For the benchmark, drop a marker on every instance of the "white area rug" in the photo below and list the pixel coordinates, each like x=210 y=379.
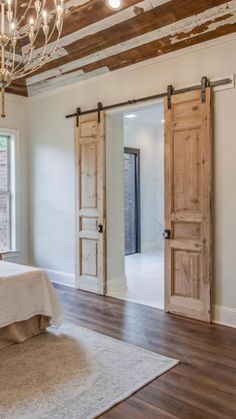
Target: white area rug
x=72 y=373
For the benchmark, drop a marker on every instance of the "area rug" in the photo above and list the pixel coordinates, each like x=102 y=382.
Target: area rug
x=72 y=373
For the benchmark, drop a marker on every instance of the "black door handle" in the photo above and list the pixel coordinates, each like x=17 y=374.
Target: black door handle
x=100 y=228
x=167 y=234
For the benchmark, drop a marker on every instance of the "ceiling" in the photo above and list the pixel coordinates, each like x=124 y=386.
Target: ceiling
x=151 y=115
x=97 y=40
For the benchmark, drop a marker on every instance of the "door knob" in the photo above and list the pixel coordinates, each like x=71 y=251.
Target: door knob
x=100 y=228
x=167 y=234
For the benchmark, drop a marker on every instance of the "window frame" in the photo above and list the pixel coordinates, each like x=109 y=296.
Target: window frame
x=13 y=189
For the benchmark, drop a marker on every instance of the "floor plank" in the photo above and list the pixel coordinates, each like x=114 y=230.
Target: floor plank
x=202 y=386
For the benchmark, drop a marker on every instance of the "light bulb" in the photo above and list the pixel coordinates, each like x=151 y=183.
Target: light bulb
x=114 y=4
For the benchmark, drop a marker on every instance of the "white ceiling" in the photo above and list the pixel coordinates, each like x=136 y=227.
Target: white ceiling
x=153 y=115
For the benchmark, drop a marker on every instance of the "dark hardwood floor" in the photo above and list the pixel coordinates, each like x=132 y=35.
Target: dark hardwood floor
x=202 y=386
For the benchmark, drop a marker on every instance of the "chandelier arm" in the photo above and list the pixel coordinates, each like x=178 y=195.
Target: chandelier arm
x=50 y=35
x=44 y=53
x=21 y=66
x=15 y=11
x=9 y=55
x=31 y=71
x=24 y=33
x=20 y=63
x=31 y=45
x=24 y=14
x=39 y=65
x=3 y=114
x=13 y=57
x=24 y=72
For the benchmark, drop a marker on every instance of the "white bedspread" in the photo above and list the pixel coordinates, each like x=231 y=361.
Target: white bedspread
x=26 y=292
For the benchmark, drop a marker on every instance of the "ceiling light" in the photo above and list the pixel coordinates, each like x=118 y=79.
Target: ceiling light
x=131 y=115
x=163 y=121
x=114 y=4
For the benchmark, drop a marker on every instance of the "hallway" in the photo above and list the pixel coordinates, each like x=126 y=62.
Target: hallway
x=145 y=279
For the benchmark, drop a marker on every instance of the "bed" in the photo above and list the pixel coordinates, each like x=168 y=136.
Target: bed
x=28 y=303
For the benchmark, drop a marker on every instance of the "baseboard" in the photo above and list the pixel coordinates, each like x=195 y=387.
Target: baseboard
x=62 y=278
x=221 y=315
x=224 y=315
x=116 y=284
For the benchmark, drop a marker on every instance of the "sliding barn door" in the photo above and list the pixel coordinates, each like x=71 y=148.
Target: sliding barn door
x=188 y=190
x=91 y=208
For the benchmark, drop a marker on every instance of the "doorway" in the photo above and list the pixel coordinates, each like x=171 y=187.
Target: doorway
x=141 y=200
x=186 y=191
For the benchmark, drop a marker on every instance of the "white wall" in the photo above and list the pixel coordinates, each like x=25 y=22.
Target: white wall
x=148 y=137
x=52 y=187
x=17 y=120
x=52 y=138
x=116 y=279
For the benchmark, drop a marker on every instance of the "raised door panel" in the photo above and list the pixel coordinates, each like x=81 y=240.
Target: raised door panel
x=186 y=170
x=88 y=175
x=188 y=188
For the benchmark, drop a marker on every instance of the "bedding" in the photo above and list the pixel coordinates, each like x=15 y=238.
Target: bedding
x=20 y=331
x=26 y=292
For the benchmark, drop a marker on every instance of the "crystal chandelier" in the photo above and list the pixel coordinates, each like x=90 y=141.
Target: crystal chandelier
x=29 y=36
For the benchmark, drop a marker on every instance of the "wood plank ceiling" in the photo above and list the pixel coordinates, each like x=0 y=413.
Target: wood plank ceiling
x=97 y=40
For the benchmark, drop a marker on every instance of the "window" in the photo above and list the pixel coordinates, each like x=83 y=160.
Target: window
x=132 y=200
x=7 y=192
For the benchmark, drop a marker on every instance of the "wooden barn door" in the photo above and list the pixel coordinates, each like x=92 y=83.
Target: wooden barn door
x=90 y=204
x=188 y=190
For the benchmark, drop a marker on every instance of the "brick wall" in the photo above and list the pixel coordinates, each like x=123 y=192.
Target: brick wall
x=129 y=189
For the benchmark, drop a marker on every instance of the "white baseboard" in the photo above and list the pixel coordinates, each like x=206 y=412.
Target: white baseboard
x=116 y=284
x=62 y=278
x=224 y=315
x=221 y=315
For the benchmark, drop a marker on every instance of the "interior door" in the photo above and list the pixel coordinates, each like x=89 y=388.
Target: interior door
x=90 y=204
x=188 y=192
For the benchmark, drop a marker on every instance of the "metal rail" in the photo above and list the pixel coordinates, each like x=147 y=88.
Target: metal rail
x=209 y=83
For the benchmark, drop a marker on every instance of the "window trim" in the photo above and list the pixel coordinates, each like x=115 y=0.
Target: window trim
x=14 y=188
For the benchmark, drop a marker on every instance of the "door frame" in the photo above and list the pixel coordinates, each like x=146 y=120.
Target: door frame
x=136 y=153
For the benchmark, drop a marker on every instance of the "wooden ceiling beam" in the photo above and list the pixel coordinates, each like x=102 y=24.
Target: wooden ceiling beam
x=156 y=18
x=18 y=87
x=172 y=25
x=144 y=52
x=83 y=15
x=156 y=48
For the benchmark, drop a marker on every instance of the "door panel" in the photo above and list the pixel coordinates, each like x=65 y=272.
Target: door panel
x=188 y=189
x=90 y=204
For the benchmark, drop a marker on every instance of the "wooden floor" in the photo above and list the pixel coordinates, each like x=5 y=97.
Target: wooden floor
x=203 y=385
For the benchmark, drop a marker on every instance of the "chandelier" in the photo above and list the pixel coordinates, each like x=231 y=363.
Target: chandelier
x=29 y=36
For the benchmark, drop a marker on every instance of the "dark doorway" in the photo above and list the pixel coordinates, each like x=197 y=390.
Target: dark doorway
x=132 y=200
